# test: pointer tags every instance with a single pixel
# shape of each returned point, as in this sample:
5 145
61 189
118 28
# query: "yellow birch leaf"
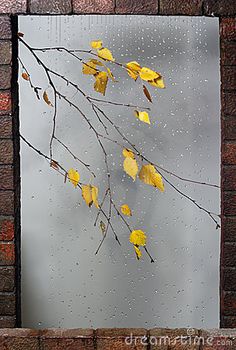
143 116
87 194
138 252
73 176
138 237
158 82
101 82
127 153
150 176
25 76
106 54
96 44
94 192
125 209
147 93
89 68
130 167
148 74
46 99
98 63
133 69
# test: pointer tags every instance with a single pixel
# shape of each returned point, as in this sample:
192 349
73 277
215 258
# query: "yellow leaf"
147 93
110 74
106 54
101 82
46 99
98 63
96 44
133 69
143 116
158 82
130 167
125 209
25 76
73 176
138 237
90 195
94 191
138 252
148 74
150 176
89 68
87 194
127 153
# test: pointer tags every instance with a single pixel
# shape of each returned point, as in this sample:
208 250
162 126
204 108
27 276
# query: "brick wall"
10 161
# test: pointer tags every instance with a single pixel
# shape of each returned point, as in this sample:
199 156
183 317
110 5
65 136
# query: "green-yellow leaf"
148 74
125 209
102 227
89 68
101 82
130 167
96 44
73 176
90 195
143 116
94 191
105 54
138 252
150 176
133 69
138 237
128 153
158 82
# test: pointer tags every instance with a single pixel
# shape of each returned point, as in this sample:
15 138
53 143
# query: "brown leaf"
54 164
147 93
65 178
46 99
25 76
20 34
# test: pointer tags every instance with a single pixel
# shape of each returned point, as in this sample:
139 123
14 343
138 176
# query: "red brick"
13 6
7 304
170 339
5 77
180 7
229 302
6 228
5 52
229 178
7 279
228 322
117 339
229 153
5 27
136 7
229 224
5 102
93 6
229 128
228 53
228 28
228 77
229 279
6 152
229 255
7 254
6 203
71 339
51 7
6 178
19 339
7 322
229 204
5 126
218 339
219 7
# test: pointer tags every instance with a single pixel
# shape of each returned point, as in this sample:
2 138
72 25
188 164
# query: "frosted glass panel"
63 283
